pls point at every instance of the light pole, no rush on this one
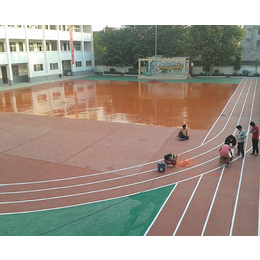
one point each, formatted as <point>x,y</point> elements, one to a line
<point>155,51</point>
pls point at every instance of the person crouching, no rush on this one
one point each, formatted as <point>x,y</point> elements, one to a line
<point>224,152</point>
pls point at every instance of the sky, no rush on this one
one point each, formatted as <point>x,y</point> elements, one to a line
<point>100,27</point>
<point>114,13</point>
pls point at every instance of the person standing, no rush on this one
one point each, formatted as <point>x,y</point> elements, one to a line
<point>255,138</point>
<point>240,140</point>
<point>224,151</point>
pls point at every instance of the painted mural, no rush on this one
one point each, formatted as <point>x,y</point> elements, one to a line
<point>167,67</point>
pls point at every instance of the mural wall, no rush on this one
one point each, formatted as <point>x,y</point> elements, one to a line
<point>164,67</point>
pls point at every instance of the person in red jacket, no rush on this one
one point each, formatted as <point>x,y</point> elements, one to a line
<point>224,152</point>
<point>255,138</point>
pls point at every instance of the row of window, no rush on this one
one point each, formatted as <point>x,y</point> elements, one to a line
<point>250,30</point>
<point>54,66</point>
<point>50,46</point>
<point>75,28</point>
<point>257,42</point>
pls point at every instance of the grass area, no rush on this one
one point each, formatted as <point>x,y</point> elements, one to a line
<point>193,80</point>
<point>127,216</point>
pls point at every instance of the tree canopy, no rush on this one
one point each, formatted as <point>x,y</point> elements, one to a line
<point>212,44</point>
<point>125,45</point>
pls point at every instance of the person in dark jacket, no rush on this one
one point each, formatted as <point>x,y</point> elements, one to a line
<point>231,140</point>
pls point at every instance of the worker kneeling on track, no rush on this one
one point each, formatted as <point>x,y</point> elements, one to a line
<point>170,159</point>
<point>224,153</point>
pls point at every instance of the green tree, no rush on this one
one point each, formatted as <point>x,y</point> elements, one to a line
<point>125,45</point>
<point>171,40</point>
<point>98,49</point>
<point>237,65</point>
<point>214,44</point>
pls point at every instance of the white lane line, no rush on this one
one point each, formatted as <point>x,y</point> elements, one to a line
<point>196,176</point>
<point>212,202</point>
<point>242,168</point>
<point>232,111</point>
<point>112,179</point>
<point>191,197</point>
<point>158,213</point>
<point>259,207</point>
<point>117,170</point>
<point>225,108</point>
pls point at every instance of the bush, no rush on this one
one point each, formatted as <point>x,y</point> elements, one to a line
<point>217,73</point>
<point>131,71</point>
<point>112,71</point>
<point>245,72</point>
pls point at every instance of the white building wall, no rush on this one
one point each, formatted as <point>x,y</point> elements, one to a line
<point>25,59</point>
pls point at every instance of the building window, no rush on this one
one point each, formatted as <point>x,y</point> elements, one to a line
<point>64,28</point>
<point>31,46</point>
<point>39,46</point>
<point>20,46</point>
<point>76,28</point>
<point>15,70</point>
<point>258,43</point>
<point>65,46</point>
<point>56,95</point>
<point>53,66</point>
<point>38,67</point>
<point>77,46</point>
<point>78,64</point>
<point>12,47</point>
<point>35,46</point>
<point>42,98</point>
<point>247,40</point>
<point>87,46</point>
<point>51,46</point>
<point>88,63</point>
<point>34,26</point>
<point>87,28</point>
<point>1,47</point>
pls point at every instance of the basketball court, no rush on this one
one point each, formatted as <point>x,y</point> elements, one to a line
<point>79,158</point>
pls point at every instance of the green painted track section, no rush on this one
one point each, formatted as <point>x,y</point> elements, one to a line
<point>127,216</point>
<point>193,80</point>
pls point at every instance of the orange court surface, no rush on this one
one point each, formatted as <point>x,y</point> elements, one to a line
<point>79,157</point>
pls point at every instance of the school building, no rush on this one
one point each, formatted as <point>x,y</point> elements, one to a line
<point>42,53</point>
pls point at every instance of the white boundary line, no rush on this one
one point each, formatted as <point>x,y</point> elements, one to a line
<point>242,168</point>
<point>224,109</point>
<point>158,213</point>
<point>107,180</point>
<point>197,176</point>
<point>187,206</point>
<point>77,185</point>
<point>212,202</point>
<point>136,166</point>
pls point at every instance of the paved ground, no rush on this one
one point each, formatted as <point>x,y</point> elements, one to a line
<point>50,165</point>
